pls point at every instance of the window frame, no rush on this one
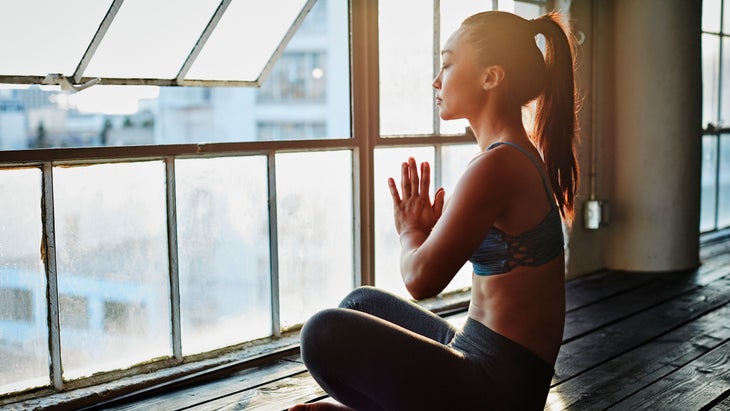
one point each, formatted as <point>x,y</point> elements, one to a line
<point>78,78</point>
<point>713,130</point>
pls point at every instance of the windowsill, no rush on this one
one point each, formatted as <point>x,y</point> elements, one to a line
<point>146,380</point>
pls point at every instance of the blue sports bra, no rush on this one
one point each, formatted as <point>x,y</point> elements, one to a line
<point>500,252</point>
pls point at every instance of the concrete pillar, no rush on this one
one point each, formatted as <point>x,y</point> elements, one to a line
<point>657,148</point>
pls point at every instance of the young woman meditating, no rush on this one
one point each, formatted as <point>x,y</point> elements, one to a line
<point>378,351</point>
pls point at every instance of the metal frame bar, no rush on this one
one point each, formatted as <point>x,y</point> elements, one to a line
<point>436,47</point>
<point>84,155</point>
<point>96,40</point>
<point>49,254</point>
<point>285,41</point>
<point>365,101</point>
<point>273,245</point>
<point>719,114</point>
<point>172,252</point>
<point>204,36</point>
<point>10,79</point>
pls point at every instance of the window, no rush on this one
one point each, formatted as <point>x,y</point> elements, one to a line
<point>74,311</point>
<point>298,77</point>
<point>17,305</point>
<point>715,200</point>
<point>135,42</point>
<point>407,110</point>
<point>289,130</point>
<point>312,70</point>
<point>183,220</point>
<point>124,318</point>
<point>23,307</point>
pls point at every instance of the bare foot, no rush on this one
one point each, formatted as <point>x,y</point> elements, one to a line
<point>324,405</point>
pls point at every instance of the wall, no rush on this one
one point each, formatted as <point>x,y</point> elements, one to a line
<point>646,126</point>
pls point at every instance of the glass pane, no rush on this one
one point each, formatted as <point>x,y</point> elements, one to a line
<point>305,96</point>
<point>725,92</point>
<point>111,239</point>
<point>245,39</point>
<point>723,212</point>
<point>526,10</point>
<point>223,257</point>
<point>159,34</point>
<point>454,160</point>
<point>716,9</point>
<point>23,331</point>
<point>315,229</point>
<point>711,16</point>
<point>709,179</point>
<point>710,79</point>
<point>452,14</point>
<point>45,36</point>
<point>406,94</point>
<point>387,245</point>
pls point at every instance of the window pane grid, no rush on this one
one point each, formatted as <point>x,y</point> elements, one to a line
<point>714,214</point>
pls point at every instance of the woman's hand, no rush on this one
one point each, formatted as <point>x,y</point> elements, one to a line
<point>414,211</point>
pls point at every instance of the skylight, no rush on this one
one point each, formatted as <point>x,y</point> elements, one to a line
<point>142,42</point>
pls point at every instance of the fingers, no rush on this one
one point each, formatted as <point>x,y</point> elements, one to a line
<point>413,170</point>
<point>393,191</point>
<point>411,184</point>
<point>438,203</point>
<point>425,177</point>
<point>405,180</point>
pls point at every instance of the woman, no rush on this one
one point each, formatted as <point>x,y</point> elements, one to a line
<point>377,351</point>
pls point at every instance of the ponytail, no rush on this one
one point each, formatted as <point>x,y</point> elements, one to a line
<point>556,121</point>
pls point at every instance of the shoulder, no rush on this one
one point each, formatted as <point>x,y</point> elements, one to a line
<point>486,185</point>
<point>492,172</point>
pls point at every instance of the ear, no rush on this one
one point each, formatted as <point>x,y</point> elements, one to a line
<point>492,77</point>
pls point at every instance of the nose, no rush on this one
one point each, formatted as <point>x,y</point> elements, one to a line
<point>437,82</point>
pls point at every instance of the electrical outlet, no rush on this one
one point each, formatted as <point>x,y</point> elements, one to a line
<point>595,214</point>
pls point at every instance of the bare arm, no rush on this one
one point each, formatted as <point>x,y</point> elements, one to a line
<point>434,247</point>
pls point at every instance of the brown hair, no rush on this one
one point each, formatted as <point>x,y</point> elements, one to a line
<point>508,40</point>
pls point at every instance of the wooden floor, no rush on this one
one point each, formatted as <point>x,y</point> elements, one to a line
<point>632,342</point>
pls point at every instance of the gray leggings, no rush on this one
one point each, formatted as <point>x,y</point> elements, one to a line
<point>378,351</point>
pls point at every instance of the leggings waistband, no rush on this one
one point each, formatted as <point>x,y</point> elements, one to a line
<point>508,362</point>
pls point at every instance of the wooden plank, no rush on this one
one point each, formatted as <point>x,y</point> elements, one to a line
<point>589,289</point>
<point>584,353</point>
<point>276,396</point>
<point>594,316</point>
<point>622,376</point>
<point>199,394</point>
<point>722,405</point>
<point>690,388</point>
<point>714,249</point>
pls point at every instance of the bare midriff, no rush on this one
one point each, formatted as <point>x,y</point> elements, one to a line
<point>526,305</point>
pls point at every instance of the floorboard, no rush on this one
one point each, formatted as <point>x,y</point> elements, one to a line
<point>691,387</point>
<point>627,374</point>
<point>632,341</point>
<point>580,355</point>
<point>240,382</point>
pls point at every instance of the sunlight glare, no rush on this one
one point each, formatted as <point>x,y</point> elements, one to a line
<point>112,99</point>
<point>554,402</point>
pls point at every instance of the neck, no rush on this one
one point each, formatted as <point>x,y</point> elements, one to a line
<point>489,129</point>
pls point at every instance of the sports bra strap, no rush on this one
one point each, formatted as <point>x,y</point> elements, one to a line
<point>535,161</point>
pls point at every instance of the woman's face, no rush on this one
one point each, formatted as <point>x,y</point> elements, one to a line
<point>459,82</point>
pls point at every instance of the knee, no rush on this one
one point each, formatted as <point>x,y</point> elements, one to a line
<point>319,336</point>
<point>358,297</point>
